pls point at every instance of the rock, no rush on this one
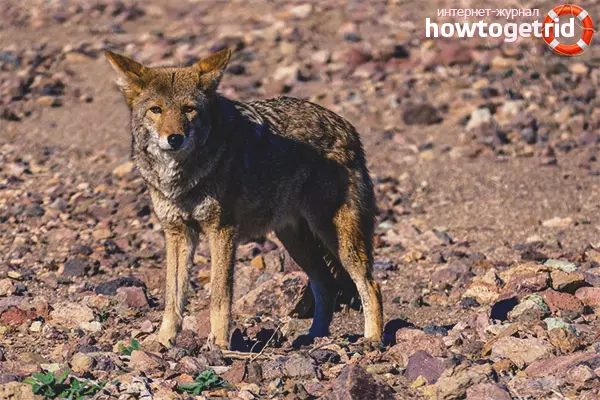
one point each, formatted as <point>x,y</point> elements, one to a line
<point>273,369</point>
<point>560,365</point>
<point>564,339</point>
<point>557,323</point>
<point>487,391</point>
<point>504,367</point>
<point>582,376</point>
<point>590,296</point>
<point>478,118</point>
<point>92,326</point>
<point>71,315</point>
<point>235,374</point>
<point>411,340</point>
<point>563,302</point>
<point>14,316</point>
<point>36,326</point>
<point>485,289</point>
<point>421,363</point>
<point>566,282</point>
<point>124,169</point>
<point>558,222</point>
<point>531,308</point>
<point>7,287</point>
<point>281,295</point>
<point>75,267</point>
<point>82,363</point>
<point>453,54</point>
<point>421,114</point>
<point>564,266</point>
<point>188,340</point>
<point>526,278</point>
<point>539,388</point>
<point>16,391</point>
<point>323,356</point>
<point>354,383</point>
<point>454,382</point>
<point>190,366</point>
<point>299,366</point>
<point>146,362</point>
<point>301,11</point>
<point>522,352</point>
<point>133,296</point>
<point>110,288</point>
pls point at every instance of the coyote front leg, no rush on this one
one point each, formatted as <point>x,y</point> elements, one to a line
<point>181,242</point>
<point>222,253</point>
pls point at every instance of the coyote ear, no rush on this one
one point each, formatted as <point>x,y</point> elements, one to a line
<point>130,75</point>
<point>211,69</point>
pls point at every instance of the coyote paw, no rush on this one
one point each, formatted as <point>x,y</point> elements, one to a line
<point>213,344</point>
<point>166,335</point>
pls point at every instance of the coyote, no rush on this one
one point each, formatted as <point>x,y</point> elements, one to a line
<point>231,171</point>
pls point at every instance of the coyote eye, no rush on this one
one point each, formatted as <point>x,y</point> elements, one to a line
<point>188,109</point>
<point>155,110</point>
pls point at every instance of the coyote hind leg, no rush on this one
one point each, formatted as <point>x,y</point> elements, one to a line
<point>307,252</point>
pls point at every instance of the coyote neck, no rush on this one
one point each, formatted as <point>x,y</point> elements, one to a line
<point>234,126</point>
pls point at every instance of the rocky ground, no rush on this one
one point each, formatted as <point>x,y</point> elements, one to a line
<point>484,157</point>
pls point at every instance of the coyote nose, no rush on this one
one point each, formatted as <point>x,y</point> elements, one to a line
<point>175,140</point>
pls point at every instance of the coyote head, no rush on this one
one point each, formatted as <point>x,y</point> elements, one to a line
<point>170,107</point>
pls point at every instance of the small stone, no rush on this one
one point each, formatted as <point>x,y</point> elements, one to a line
<point>423,364</point>
<point>50,101</point>
<point>133,296</point>
<point>531,308</point>
<point>76,267</point>
<point>478,118</point>
<point>71,315</point>
<point>582,375</point>
<point>124,169</point>
<point>564,266</point>
<point>190,366</point>
<point>485,289</point>
<point>282,295</point>
<point>36,326</point>
<point>7,287</point>
<point>14,316</point>
<point>92,326</point>
<point>522,352</point>
<point>147,363</point>
<point>188,340</point>
<point>558,222</point>
<point>16,391</point>
<point>565,340</point>
<point>421,114</point>
<point>566,282</point>
<point>590,296</point>
<point>110,288</point>
<point>487,391</point>
<point>578,68</point>
<point>454,382</point>
<point>563,302</point>
<point>301,11</point>
<point>419,382</point>
<point>298,366</point>
<point>354,383</point>
<point>258,262</point>
<point>82,363</point>
<point>411,340</point>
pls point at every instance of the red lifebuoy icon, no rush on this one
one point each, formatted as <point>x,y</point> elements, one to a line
<point>568,49</point>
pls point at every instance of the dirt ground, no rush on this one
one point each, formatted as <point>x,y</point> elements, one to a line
<point>483,153</point>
